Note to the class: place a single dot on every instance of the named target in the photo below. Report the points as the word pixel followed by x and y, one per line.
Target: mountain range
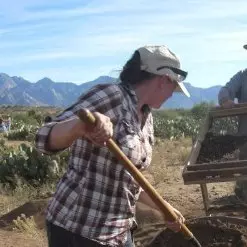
pixel 18 91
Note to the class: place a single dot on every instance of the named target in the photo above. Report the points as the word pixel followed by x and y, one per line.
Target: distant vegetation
pixel 173 124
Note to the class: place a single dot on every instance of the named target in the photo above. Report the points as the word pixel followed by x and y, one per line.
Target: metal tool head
pixel 194 242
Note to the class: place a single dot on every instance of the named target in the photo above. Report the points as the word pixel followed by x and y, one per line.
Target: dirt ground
pixel 165 174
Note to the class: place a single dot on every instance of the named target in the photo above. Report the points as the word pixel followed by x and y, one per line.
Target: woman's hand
pixel 101 132
pixel 175 225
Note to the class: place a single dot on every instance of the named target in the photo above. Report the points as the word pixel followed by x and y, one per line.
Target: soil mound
pixel 209 233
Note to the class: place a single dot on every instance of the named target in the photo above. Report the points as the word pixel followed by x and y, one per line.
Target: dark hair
pixel 132 73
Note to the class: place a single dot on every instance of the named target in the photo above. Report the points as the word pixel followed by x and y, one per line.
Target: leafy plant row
pixel 176 128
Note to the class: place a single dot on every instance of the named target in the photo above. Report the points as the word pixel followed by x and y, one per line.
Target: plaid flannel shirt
pixel 96 197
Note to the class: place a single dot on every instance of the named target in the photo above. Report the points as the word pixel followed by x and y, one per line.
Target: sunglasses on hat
pixel 182 74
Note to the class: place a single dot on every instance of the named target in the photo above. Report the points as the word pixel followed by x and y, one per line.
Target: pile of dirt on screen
pixel 220 148
pixel 207 233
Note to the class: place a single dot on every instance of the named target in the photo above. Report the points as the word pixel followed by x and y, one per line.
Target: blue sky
pixel 77 41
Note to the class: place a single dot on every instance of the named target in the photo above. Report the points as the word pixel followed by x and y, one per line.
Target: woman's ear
pixel 160 81
pixel 168 79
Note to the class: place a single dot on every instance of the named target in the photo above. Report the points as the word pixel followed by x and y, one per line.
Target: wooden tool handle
pixel 87 117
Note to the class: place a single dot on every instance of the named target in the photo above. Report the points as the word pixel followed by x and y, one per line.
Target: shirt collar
pixel 130 90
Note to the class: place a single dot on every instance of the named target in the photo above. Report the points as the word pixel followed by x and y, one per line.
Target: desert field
pixel 22 203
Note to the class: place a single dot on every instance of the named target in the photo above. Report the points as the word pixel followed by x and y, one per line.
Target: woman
pixel 94 204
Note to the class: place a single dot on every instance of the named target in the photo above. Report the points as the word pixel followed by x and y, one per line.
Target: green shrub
pixel 21 134
pixel 27 164
pixel 199 111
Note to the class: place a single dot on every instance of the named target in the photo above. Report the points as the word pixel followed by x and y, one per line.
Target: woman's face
pixel 164 87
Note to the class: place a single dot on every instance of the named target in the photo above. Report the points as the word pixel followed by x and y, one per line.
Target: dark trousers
pixel 59 237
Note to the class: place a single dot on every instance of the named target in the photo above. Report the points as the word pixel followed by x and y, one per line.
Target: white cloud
pixel 173 10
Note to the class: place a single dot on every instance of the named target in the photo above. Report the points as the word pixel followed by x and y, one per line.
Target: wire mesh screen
pixel 224 126
pixel 223 141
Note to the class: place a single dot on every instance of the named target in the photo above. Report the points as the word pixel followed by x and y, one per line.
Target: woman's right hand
pixel 101 132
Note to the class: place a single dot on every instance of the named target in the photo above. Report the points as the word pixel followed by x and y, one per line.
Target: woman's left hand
pixel 175 225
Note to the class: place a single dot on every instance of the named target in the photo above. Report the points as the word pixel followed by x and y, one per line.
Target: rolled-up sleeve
pixel 43 134
pixel 42 138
